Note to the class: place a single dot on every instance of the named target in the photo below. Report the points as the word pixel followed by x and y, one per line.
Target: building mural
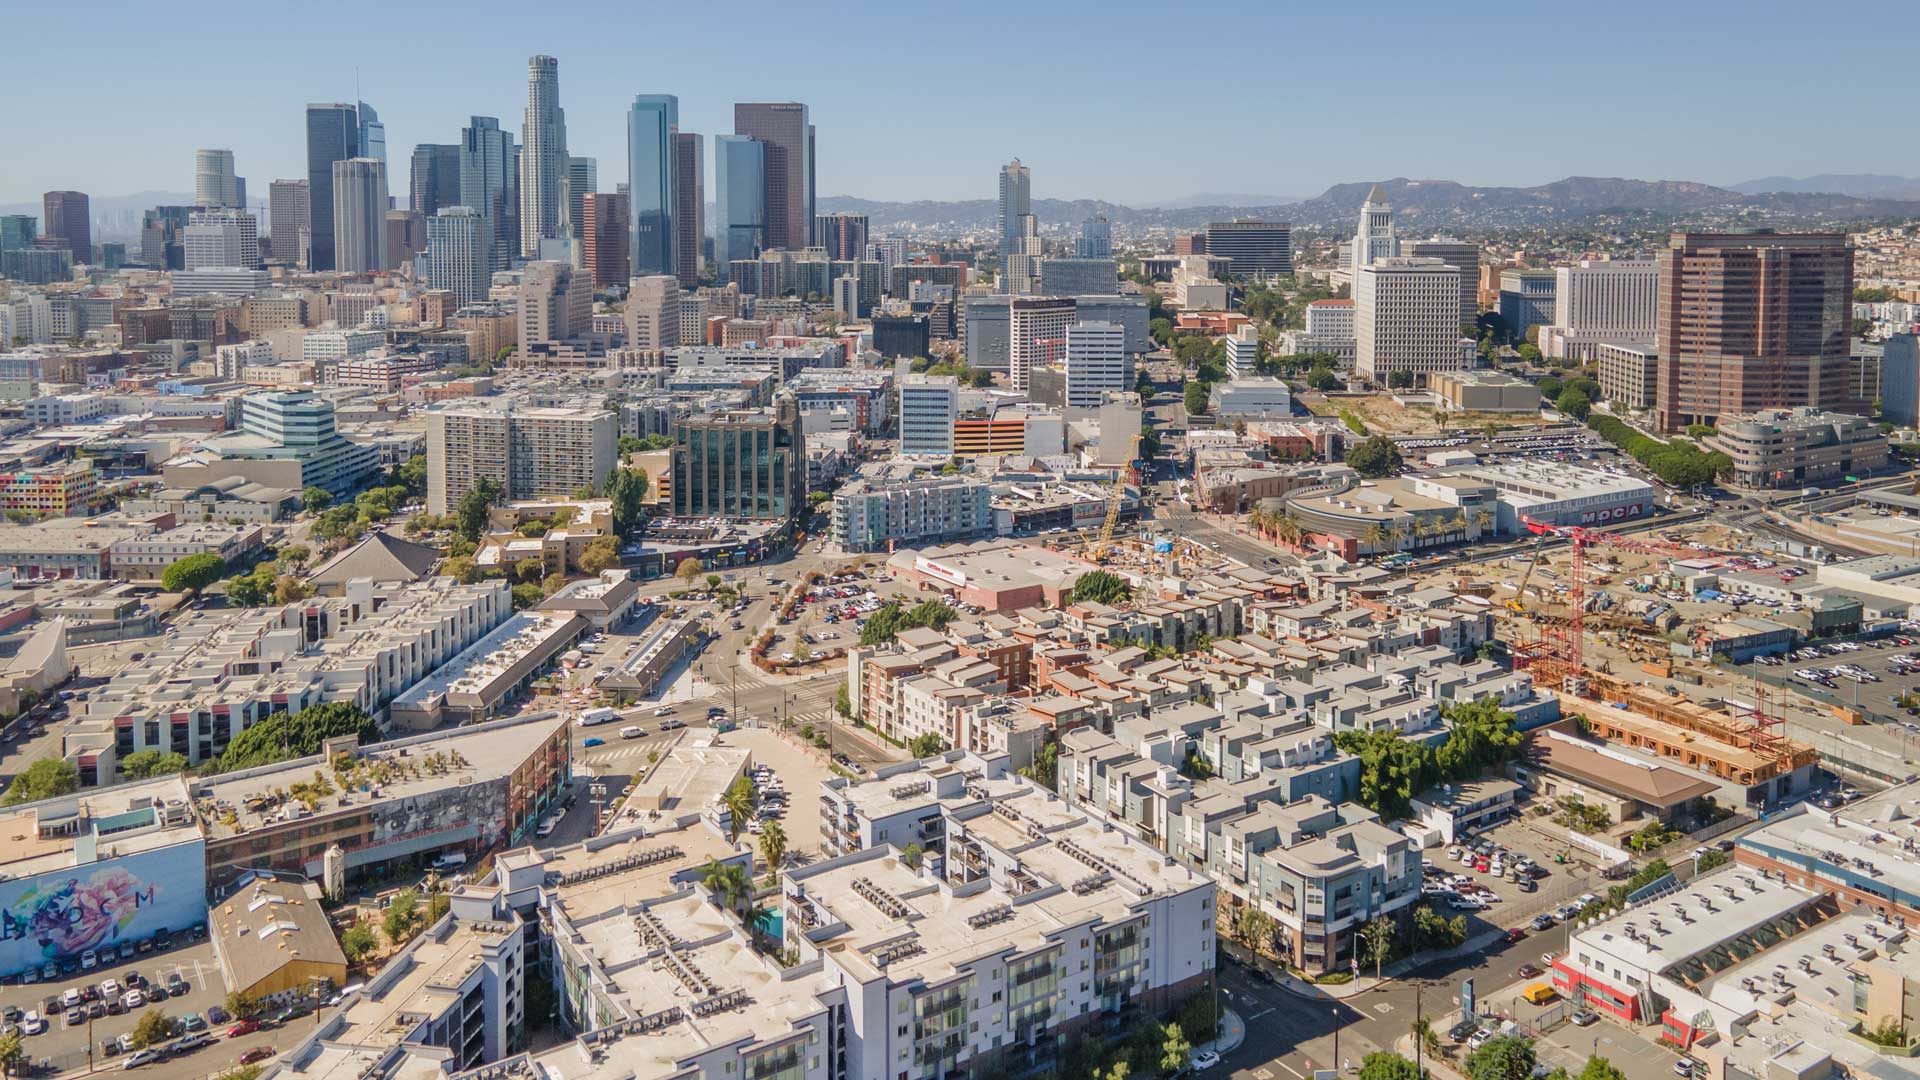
pixel 62 914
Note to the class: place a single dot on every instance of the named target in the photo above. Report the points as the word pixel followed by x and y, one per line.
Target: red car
pixel 258 1053
pixel 1516 933
pixel 244 1027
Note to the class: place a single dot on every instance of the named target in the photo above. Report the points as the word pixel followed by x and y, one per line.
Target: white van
pixel 452 860
pixel 632 731
pixel 602 715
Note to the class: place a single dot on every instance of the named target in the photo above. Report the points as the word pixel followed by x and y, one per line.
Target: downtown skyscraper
pixel 1016 202
pixel 690 206
pixel 435 179
pixel 739 200
pixel 490 183
pixel 652 124
pixel 333 134
pixel 784 128
pixel 214 183
pixel 359 198
pixel 544 164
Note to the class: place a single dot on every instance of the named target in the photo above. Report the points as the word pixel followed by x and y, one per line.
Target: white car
pixel 134 999
pixel 33 1023
pixel 1204 1060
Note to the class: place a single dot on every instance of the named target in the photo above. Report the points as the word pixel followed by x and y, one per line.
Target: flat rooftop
pixel 44 837
pixel 479 664
pixel 472 754
pixel 1665 932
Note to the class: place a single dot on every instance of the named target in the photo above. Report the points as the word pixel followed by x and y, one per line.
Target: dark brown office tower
pixel 783 127
pixel 689 207
pixel 603 248
pixel 68 220
pixel 1752 320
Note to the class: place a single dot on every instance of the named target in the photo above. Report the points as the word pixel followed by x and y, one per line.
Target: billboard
pixel 63 913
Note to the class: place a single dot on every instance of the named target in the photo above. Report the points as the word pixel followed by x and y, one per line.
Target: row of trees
pixel 1393 770
pixel 1677 462
pixel 891 618
pixel 1505 1057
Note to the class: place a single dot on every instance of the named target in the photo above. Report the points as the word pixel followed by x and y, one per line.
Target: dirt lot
pixel 1384 416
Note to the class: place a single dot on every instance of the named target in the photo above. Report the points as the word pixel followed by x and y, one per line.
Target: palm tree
pixel 727 882
pixel 773 847
pixel 739 803
pixel 1375 537
pixel 1396 532
pixel 1458 524
pixel 1484 519
pixel 1258 520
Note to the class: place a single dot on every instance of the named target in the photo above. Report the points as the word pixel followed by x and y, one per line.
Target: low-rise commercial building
pixel 273 940
pixel 1484 391
pixel 147 557
pixel 1789 448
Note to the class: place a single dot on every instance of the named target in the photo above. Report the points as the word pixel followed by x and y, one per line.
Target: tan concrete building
pixel 1484 391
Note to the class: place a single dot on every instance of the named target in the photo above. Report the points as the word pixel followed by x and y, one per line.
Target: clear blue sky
pixel 1122 100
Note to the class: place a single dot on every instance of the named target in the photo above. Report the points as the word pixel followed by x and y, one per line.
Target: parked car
pixel 244 1027
pixel 258 1053
pixel 1584 1017
pixel 142 1057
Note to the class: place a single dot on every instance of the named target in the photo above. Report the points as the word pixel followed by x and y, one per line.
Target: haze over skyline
pixel 913 108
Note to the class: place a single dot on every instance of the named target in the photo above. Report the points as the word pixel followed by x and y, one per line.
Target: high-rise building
pixel 1079 277
pixel 1036 335
pixel 1096 238
pixel 290 227
pixel 458 258
pixel 604 241
pixel 1460 254
pixel 490 183
pixel 1255 249
pixel 543 156
pixel 929 404
pixel 163 232
pixel 1374 237
pixel 652 123
pixel 1243 353
pixel 373 133
pixel 333 134
pixel 556 304
pixel 843 235
pixel 895 336
pixel 406 238
pixel 531 452
pixel 889 252
pixel 223 239
pixel 1526 300
pixel 1016 202
pixel 690 206
pixel 1601 301
pixel 788 167
pixel 739 200
pixel 1406 317
pixel 435 180
pixel 741 464
pixel 583 178
pixel 360 215
pixel 1022 263
pixel 653 314
pixel 18 231
pixel 1097 363
pixel 1750 321
pixel 69 223
pixel 214 184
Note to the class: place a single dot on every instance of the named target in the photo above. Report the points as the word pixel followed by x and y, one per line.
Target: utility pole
pixel 1419 1031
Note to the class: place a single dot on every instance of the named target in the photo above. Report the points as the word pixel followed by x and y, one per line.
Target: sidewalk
pixel 1364 982
pixel 1233 1032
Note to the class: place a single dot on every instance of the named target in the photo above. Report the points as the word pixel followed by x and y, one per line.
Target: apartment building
pixel 532 452
pixel 1790 448
pixel 1406 318
pixel 56 489
pixel 874 513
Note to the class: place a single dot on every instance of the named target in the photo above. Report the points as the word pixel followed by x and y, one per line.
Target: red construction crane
pixel 1557 656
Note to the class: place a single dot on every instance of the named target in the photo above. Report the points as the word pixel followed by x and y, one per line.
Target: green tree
pixel 1504 1057
pixel 1375 457
pixel 13 1056
pixel 602 553
pixel 526 594
pixel 1046 765
pixel 315 499
pixel 773 847
pixel 153 1028
pixel 192 573
pixel 1174 1050
pixel 1254 928
pixel 1433 931
pixel 358 942
pixel 1376 942
pixel 1574 403
pixel 1100 587
pixel 1400 379
pixel 43 780
pixel 1599 1068
pixel 146 764
pixel 911 856
pixel 627 490
pixel 727 882
pixel 284 736
pixel 242 1005
pixel 294 554
pixel 739 803
pixel 1529 354
pixel 1384 1065
pixel 843 702
pixel 924 746
pixel 890 618
pixel 1196 398
pixel 689 569
pixel 1710 859
pixel 399 919
pixel 1322 378
pixel 470 512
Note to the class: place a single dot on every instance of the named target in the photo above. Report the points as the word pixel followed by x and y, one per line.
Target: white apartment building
pixel 56 410
pixel 1600 301
pixel 220 281
pixel 222 239
pixel 326 346
pixel 232 361
pixel 1407 318
pixel 459 253
pixel 147 557
pixel 531 452
pixel 1037 334
pixel 1096 363
pixel 929 404
pixel 1243 353
pixel 1330 319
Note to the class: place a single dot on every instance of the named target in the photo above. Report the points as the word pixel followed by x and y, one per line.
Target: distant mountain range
pixel 1425 204
pixel 106 206
pixel 1859 185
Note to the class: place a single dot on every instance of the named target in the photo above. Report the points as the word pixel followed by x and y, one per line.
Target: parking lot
pixel 63 1046
pixel 1505 904
pixel 1873 676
